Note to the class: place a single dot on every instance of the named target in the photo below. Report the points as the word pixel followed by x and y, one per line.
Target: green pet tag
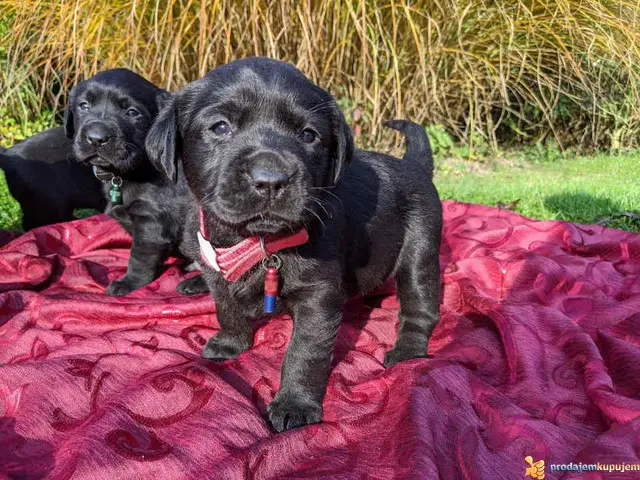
pixel 115 194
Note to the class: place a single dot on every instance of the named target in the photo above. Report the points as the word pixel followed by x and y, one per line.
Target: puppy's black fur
pixel 266 151
pixel 45 180
pixel 108 117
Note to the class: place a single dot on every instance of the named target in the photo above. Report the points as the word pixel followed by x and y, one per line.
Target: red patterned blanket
pixel 537 354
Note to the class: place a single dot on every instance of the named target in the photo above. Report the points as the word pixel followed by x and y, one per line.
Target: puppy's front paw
pixel 193 286
pixel 225 347
pixel 289 411
pixel 121 287
pixel 397 355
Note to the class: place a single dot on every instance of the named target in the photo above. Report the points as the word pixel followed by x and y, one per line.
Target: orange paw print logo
pixel 535 469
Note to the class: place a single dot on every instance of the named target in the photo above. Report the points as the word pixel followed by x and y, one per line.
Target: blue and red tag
pixel 271 280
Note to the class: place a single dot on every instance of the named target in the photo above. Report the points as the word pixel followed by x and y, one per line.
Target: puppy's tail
pixel 418 146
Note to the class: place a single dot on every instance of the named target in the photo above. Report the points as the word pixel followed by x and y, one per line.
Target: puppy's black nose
pixel 267 182
pixel 97 135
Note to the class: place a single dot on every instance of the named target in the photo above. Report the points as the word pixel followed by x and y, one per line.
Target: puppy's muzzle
pixel 268 176
pixel 268 183
pixel 97 134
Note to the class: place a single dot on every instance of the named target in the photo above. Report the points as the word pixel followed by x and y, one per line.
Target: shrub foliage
pixel 489 72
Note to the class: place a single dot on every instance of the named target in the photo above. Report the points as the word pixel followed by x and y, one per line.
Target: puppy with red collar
pixel 286 216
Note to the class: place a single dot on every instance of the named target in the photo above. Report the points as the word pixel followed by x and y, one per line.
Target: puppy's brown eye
pixel 308 135
pixel 221 128
pixel 132 112
pixel 84 106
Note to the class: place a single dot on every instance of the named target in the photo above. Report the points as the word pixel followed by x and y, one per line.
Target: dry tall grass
pixel 486 70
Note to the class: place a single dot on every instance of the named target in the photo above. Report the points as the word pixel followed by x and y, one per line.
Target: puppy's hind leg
pixel 418 283
pixel 235 335
pixel 193 286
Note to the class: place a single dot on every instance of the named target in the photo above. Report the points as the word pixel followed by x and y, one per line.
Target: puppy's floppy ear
pixel 344 147
pixel 161 142
pixel 162 100
pixel 69 128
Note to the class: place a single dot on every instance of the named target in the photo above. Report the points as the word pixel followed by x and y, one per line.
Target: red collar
pixel 234 261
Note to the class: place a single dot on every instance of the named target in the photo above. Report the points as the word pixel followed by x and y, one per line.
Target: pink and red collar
pixel 234 261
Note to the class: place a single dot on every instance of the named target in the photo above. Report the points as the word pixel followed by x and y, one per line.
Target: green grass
pixel 10 213
pixel 581 190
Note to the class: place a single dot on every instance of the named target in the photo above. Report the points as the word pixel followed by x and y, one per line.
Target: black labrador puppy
pixel 279 191
pixel 108 117
pixel 46 182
